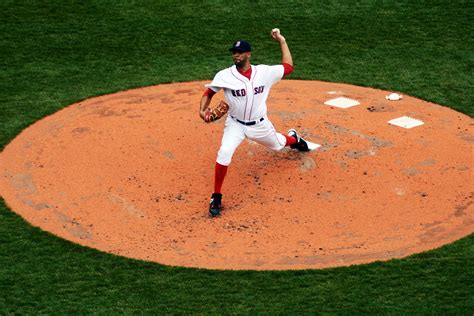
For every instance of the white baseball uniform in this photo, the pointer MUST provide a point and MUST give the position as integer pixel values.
(247, 105)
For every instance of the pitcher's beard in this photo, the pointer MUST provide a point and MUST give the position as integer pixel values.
(240, 64)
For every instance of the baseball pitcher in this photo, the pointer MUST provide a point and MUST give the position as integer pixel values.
(246, 88)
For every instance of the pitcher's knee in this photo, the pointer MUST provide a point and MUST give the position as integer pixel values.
(224, 156)
(277, 147)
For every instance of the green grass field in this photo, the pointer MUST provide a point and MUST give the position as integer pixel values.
(54, 53)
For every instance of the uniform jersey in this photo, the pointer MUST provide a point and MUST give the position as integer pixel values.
(247, 97)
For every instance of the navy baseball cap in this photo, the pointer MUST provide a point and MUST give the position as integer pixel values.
(241, 46)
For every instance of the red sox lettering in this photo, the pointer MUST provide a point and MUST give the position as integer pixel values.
(239, 93)
(258, 90)
(243, 92)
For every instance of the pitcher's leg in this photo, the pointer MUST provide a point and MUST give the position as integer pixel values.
(232, 138)
(266, 135)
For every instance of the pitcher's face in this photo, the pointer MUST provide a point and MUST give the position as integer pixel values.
(241, 58)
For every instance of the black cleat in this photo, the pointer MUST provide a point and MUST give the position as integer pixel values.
(300, 144)
(215, 204)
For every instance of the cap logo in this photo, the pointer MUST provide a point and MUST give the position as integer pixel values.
(237, 44)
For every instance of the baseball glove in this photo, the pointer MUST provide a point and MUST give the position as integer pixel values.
(215, 113)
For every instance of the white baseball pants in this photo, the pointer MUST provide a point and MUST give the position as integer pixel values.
(234, 133)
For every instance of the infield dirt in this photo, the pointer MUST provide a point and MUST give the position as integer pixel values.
(132, 173)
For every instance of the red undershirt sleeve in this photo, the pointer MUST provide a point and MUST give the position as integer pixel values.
(288, 69)
(209, 93)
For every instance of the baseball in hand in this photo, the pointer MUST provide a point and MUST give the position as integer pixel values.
(277, 35)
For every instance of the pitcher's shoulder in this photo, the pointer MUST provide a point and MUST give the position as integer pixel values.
(224, 72)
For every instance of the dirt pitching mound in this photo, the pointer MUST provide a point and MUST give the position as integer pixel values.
(132, 173)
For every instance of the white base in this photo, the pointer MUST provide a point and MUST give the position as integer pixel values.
(406, 122)
(394, 97)
(342, 102)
